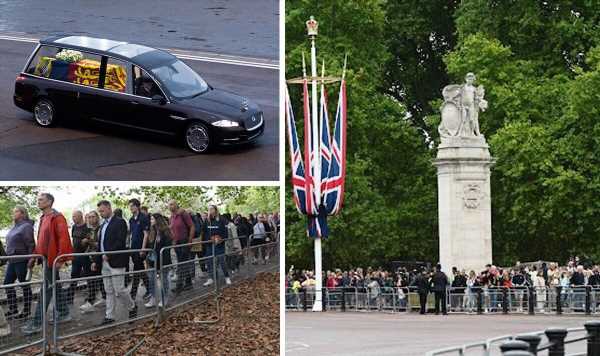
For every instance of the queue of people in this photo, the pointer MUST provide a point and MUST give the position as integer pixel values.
(103, 233)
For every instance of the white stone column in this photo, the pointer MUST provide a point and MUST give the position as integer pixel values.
(464, 206)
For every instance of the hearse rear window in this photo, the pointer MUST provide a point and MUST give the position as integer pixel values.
(66, 65)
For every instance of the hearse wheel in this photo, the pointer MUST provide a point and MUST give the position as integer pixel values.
(197, 137)
(44, 113)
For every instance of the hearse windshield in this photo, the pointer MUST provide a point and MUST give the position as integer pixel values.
(181, 81)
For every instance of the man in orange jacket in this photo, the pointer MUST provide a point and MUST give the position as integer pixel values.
(53, 240)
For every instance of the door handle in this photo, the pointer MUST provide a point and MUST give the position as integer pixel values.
(133, 102)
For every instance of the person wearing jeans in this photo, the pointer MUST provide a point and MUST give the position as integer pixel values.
(53, 240)
(158, 238)
(259, 238)
(113, 235)
(139, 224)
(94, 285)
(80, 234)
(19, 241)
(183, 231)
(216, 231)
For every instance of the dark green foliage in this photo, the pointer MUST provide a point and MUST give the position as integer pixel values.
(540, 64)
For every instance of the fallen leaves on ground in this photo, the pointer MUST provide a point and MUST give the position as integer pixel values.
(249, 326)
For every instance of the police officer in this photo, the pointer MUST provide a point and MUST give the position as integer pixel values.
(421, 281)
(439, 280)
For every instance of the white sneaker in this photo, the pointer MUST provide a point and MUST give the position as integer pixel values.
(151, 303)
(100, 303)
(208, 282)
(228, 281)
(87, 308)
(160, 304)
(5, 331)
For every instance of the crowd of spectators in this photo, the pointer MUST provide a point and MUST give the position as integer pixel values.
(462, 286)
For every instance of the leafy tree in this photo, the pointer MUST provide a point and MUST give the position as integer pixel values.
(419, 34)
(388, 197)
(11, 196)
(541, 122)
(540, 64)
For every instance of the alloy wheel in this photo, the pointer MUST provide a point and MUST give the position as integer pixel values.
(197, 138)
(44, 113)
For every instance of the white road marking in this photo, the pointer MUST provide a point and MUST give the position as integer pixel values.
(299, 346)
(231, 60)
(299, 327)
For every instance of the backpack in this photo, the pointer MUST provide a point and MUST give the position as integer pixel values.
(197, 225)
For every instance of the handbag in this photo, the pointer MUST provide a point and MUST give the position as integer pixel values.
(197, 247)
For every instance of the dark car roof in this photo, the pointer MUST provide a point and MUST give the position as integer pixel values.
(146, 57)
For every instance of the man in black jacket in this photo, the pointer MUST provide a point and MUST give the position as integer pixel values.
(113, 235)
(458, 288)
(439, 280)
(422, 284)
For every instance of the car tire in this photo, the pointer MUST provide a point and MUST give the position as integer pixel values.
(44, 113)
(197, 137)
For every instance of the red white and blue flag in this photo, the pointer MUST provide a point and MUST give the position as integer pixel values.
(325, 142)
(309, 155)
(328, 153)
(333, 197)
(298, 182)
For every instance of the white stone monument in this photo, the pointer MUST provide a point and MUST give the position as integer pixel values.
(463, 166)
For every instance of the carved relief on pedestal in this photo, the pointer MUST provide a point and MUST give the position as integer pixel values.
(472, 195)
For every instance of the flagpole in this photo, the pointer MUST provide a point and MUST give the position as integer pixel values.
(312, 33)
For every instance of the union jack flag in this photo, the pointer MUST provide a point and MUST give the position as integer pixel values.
(318, 194)
(334, 193)
(325, 142)
(298, 182)
(309, 155)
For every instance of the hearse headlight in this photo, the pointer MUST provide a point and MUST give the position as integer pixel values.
(226, 123)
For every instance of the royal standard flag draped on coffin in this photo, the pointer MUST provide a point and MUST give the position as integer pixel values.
(87, 72)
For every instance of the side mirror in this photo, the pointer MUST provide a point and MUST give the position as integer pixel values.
(159, 99)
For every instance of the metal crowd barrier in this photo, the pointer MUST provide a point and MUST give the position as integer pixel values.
(74, 292)
(516, 300)
(80, 323)
(12, 338)
(264, 256)
(184, 274)
(552, 341)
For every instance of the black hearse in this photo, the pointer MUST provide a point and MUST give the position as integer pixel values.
(132, 86)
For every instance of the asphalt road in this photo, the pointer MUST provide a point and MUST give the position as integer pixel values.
(237, 27)
(81, 152)
(353, 334)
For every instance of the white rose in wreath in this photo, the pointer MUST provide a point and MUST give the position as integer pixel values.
(69, 56)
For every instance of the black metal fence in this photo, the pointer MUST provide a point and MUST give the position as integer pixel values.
(545, 300)
(552, 341)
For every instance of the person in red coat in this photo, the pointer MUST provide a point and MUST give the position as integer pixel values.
(53, 240)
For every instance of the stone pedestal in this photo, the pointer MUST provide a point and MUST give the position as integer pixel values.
(464, 206)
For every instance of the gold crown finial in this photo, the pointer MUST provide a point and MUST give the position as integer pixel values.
(312, 26)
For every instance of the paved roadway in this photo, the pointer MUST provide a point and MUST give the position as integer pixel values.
(237, 27)
(353, 334)
(80, 152)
